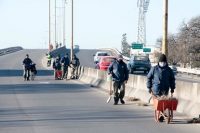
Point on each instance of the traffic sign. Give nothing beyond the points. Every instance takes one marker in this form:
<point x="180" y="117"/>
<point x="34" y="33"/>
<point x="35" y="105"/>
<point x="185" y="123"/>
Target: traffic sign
<point x="146" y="49"/>
<point x="137" y="46"/>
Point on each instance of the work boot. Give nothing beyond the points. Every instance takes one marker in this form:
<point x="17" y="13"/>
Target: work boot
<point x="122" y="101"/>
<point x="115" y="103"/>
<point x="161" y="119"/>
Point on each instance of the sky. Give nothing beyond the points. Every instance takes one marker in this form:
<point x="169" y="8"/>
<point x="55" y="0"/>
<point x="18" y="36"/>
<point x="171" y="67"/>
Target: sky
<point x="97" y="23"/>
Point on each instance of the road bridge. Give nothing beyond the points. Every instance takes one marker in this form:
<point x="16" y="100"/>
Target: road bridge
<point x="46" y="105"/>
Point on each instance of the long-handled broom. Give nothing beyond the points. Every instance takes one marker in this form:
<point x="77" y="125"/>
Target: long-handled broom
<point x="109" y="78"/>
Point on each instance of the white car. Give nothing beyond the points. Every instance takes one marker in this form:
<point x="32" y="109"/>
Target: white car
<point x="98" y="55"/>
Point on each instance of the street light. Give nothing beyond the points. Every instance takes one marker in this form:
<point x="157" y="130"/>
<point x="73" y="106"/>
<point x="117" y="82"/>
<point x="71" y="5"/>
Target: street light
<point x="165" y="29"/>
<point x="72" y="41"/>
<point x="49" y="25"/>
<point x="55" y="27"/>
<point x="64" y="2"/>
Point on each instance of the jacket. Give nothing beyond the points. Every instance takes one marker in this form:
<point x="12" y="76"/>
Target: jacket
<point x="75" y="62"/>
<point x="57" y="64"/>
<point x="159" y="80"/>
<point x="65" y="61"/>
<point x="27" y="63"/>
<point x="119" y="71"/>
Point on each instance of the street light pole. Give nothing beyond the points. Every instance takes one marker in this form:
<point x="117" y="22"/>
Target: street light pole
<point x="165" y="29"/>
<point x="49" y="25"/>
<point x="72" y="43"/>
<point x="55" y="26"/>
<point x="64" y="22"/>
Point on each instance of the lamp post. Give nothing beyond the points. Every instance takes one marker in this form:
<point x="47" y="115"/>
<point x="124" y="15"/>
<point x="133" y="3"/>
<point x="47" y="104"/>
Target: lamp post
<point x="64" y="1"/>
<point x="55" y="27"/>
<point x="49" y="25"/>
<point x="165" y="29"/>
<point x="72" y="41"/>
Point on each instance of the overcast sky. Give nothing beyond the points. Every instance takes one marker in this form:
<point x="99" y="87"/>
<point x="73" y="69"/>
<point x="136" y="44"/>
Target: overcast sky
<point x="97" y="23"/>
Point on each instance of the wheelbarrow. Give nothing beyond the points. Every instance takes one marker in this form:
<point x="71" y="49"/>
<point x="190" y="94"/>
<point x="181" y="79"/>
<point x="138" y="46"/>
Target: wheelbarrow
<point x="164" y="107"/>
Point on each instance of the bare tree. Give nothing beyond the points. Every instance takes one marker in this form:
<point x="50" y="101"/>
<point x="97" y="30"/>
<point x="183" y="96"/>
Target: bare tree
<point x="184" y="47"/>
<point x="125" y="47"/>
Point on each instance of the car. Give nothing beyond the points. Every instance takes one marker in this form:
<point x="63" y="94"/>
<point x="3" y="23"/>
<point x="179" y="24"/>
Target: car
<point x="174" y="69"/>
<point x="98" y="55"/>
<point x="139" y="63"/>
<point x="105" y="62"/>
<point x="76" y="47"/>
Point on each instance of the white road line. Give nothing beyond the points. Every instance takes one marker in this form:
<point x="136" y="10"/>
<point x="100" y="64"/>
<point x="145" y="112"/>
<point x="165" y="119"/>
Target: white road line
<point x="44" y="82"/>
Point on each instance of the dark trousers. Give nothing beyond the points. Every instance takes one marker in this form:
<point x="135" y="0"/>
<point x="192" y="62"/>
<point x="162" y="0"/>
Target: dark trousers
<point x="118" y="86"/>
<point x="26" y="73"/>
<point x="74" y="71"/>
<point x="64" y="72"/>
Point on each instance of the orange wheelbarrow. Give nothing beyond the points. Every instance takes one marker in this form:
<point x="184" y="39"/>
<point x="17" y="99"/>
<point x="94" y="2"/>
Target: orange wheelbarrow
<point x="164" y="108"/>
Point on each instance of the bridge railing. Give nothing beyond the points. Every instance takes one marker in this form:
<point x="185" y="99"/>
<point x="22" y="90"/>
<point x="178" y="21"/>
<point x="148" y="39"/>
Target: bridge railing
<point x="179" y="69"/>
<point x="9" y="50"/>
<point x="187" y="93"/>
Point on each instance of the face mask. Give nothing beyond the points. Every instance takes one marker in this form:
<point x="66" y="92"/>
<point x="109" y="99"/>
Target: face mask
<point x="162" y="64"/>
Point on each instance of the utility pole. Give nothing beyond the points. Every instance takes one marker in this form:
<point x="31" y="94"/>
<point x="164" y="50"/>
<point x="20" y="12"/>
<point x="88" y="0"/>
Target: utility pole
<point x="64" y="1"/>
<point x="165" y="29"/>
<point x="49" y="24"/>
<point x="72" y="43"/>
<point x="55" y="27"/>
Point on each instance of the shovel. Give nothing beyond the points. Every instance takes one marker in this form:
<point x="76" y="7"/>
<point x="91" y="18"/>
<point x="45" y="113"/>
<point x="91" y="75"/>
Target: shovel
<point x="109" y="78"/>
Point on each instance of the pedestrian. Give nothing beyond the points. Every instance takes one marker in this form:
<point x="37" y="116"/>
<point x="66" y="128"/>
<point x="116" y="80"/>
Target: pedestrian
<point x="33" y="71"/>
<point x="65" y="63"/>
<point x="27" y="67"/>
<point x="57" y="68"/>
<point x="120" y="74"/>
<point x="49" y="59"/>
<point x="160" y="78"/>
<point x="75" y="63"/>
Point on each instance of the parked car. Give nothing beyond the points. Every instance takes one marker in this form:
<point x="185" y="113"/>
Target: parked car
<point x="98" y="55"/>
<point x="174" y="69"/>
<point x="139" y="63"/>
<point x="105" y="62"/>
<point x="76" y="47"/>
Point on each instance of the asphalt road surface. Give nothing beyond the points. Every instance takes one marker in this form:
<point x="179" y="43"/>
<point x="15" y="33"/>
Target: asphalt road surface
<point x="46" y="105"/>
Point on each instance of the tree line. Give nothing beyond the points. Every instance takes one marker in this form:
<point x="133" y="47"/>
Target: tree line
<point x="184" y="46"/>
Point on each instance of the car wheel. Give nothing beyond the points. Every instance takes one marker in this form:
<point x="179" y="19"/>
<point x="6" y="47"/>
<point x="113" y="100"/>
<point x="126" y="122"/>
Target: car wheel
<point x="145" y="72"/>
<point x="131" y="71"/>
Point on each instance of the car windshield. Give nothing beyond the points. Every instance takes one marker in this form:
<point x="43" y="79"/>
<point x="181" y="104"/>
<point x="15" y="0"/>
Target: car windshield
<point x="141" y="58"/>
<point x="102" y="54"/>
<point x="108" y="59"/>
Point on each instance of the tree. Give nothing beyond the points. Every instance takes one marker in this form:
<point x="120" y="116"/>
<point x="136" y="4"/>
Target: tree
<point x="125" y="47"/>
<point x="190" y="37"/>
<point x="184" y="47"/>
<point x="172" y="48"/>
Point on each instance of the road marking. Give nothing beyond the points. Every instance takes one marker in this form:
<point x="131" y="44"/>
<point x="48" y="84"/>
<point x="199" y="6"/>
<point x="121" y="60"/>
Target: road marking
<point x="44" y="82"/>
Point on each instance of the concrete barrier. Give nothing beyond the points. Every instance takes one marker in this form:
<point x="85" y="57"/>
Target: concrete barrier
<point x="188" y="94"/>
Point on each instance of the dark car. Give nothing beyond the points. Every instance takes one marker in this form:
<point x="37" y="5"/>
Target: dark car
<point x="139" y="63"/>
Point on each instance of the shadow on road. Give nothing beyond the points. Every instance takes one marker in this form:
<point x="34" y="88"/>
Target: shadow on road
<point x="10" y="73"/>
<point x="41" y="88"/>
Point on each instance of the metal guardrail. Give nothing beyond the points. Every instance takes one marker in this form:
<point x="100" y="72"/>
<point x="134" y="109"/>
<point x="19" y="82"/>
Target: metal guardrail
<point x="189" y="71"/>
<point x="179" y="69"/>
<point x="117" y="52"/>
<point x="9" y="50"/>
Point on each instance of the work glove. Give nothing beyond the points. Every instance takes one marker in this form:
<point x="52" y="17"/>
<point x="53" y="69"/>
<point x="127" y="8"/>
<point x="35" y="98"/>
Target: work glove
<point x="125" y="81"/>
<point x="150" y="91"/>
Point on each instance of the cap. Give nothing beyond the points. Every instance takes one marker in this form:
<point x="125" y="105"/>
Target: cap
<point x="162" y="58"/>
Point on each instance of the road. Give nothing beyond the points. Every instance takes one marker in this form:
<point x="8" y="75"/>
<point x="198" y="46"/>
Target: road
<point x="52" y="106"/>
